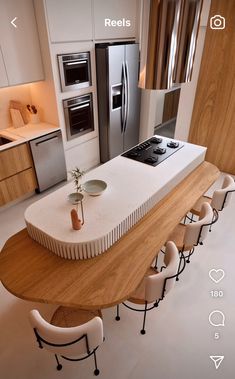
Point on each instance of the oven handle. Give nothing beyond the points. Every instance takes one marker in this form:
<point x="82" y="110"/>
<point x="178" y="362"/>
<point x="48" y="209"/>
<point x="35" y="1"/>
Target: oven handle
<point x="75" y="62"/>
<point x="79" y="107"/>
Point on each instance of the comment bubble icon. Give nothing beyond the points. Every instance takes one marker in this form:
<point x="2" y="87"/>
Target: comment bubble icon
<point x="217" y="318"/>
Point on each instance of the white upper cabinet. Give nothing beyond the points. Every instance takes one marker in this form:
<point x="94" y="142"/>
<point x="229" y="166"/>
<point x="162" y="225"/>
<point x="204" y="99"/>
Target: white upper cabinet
<point x="20" y="45"/>
<point x="115" y="18"/>
<point x="69" y="20"/>
<point x="3" y="74"/>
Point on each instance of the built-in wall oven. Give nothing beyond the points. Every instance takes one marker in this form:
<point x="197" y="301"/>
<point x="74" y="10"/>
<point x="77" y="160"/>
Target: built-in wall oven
<point x="78" y="113"/>
<point x="75" y="71"/>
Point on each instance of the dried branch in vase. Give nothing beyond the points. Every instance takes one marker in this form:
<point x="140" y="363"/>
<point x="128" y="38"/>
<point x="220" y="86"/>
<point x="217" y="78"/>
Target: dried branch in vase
<point x="77" y="175"/>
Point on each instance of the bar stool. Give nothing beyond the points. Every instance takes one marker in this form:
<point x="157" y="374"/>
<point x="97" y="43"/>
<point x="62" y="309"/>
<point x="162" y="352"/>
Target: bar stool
<point x="71" y="333"/>
<point x="220" y="198"/>
<point x="187" y="236"/>
<point x="155" y="285"/>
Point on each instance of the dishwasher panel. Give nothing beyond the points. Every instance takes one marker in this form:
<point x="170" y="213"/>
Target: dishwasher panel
<point x="49" y="160"/>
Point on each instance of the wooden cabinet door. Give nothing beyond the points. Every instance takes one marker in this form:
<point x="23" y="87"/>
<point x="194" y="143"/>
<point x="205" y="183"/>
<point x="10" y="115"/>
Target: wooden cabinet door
<point x="213" y="116"/>
<point x="115" y="10"/>
<point x="14" y="160"/>
<point x="17" y="186"/>
<point x="69" y="20"/>
<point x="20" y="45"/>
<point x="3" y="73"/>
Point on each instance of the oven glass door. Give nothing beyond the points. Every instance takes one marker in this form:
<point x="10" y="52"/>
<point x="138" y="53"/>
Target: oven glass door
<point x="76" y="72"/>
<point x="80" y="117"/>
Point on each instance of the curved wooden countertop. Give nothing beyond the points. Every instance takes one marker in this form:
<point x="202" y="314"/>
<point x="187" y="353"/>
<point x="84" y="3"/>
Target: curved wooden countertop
<point x="31" y="272"/>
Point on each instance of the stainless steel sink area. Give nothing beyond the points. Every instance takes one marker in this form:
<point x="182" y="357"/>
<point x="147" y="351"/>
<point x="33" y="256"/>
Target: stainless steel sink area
<point x="4" y="140"/>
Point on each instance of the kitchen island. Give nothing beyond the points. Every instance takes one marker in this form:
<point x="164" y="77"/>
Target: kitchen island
<point x="32" y="272"/>
<point x="133" y="188"/>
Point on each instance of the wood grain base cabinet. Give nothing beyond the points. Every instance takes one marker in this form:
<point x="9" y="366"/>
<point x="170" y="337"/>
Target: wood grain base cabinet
<point x="17" y="186"/>
<point x="14" y="160"/>
<point x="17" y="175"/>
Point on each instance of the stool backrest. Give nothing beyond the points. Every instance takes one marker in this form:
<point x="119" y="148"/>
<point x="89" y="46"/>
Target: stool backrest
<point x="197" y="231"/>
<point x="158" y="285"/>
<point x="87" y="336"/>
<point x="222" y="197"/>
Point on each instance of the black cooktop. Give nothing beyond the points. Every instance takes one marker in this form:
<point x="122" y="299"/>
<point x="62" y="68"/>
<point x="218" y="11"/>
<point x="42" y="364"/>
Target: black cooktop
<point x="153" y="151"/>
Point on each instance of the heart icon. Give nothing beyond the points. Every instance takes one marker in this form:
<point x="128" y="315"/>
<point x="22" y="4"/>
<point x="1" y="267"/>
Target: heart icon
<point x="216" y="275"/>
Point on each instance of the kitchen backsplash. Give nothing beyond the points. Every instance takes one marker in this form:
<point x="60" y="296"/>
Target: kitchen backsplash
<point x="20" y="93"/>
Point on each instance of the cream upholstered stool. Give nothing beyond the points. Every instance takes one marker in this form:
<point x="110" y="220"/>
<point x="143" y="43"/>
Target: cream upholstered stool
<point x="155" y="285"/>
<point x="187" y="236"/>
<point x="220" y="198"/>
<point x="74" y="334"/>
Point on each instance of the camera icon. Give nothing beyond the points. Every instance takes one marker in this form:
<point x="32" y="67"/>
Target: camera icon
<point x="217" y="22"/>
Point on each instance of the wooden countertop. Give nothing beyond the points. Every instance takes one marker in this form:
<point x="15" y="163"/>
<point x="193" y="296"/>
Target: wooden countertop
<point x="31" y="272"/>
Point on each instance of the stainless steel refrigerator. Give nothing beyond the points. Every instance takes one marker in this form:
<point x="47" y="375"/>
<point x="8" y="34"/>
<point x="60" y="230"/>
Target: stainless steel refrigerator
<point x="117" y="70"/>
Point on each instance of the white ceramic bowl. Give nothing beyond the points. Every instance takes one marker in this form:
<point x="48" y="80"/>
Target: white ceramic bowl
<point x="94" y="187"/>
<point x="75" y="197"/>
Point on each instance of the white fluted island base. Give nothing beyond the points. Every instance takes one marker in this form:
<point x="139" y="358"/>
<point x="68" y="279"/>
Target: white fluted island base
<point x="133" y="189"/>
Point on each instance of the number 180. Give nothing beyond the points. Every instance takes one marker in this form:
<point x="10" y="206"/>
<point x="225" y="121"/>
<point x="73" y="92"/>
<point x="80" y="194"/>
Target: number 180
<point x="216" y="293"/>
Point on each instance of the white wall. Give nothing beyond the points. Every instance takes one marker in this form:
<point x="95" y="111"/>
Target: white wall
<point x="19" y="93"/>
<point x="35" y="93"/>
<point x="147" y="113"/>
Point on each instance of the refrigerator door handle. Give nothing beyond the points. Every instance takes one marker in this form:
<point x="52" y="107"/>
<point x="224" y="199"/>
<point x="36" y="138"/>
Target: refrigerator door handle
<point x="123" y="98"/>
<point x="126" y="95"/>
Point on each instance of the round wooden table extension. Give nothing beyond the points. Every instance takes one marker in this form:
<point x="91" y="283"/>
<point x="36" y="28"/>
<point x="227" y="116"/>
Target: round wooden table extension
<point x="31" y="272"/>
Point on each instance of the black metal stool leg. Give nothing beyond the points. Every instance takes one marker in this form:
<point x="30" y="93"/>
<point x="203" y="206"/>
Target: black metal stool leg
<point x="155" y="265"/>
<point x="145" y="311"/>
<point x="188" y="258"/>
<point x="212" y="222"/>
<point x="177" y="277"/>
<point x="189" y="255"/>
<point x="117" y="316"/>
<point x="97" y="371"/>
<point x="59" y="365"/>
<point x="156" y="303"/>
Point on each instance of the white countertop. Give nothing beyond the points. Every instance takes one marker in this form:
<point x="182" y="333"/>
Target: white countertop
<point x="25" y="133"/>
<point x="133" y="189"/>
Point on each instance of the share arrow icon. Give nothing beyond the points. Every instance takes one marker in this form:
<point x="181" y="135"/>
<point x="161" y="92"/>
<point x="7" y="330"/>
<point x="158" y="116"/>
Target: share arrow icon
<point x="217" y="359"/>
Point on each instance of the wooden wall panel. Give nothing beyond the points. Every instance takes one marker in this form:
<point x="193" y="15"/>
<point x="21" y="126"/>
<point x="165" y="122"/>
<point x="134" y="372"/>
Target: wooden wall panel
<point x="213" y="119"/>
<point x="171" y="104"/>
